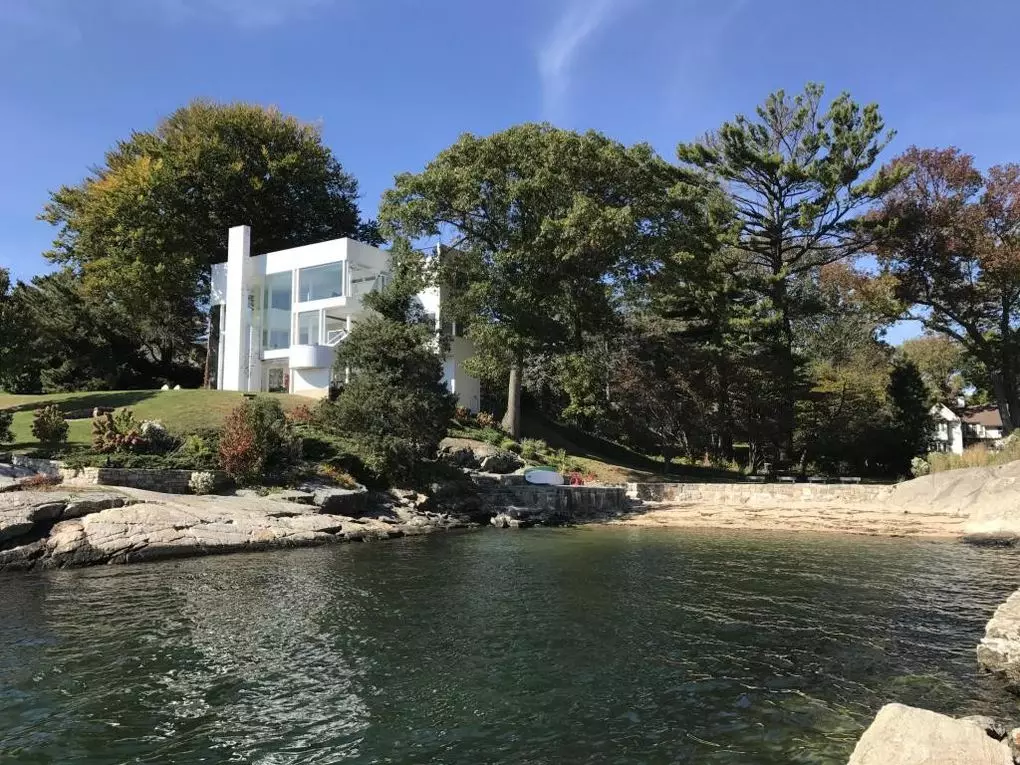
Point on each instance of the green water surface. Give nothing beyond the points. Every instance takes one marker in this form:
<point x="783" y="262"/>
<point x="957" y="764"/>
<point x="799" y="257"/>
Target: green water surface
<point x="592" y="645"/>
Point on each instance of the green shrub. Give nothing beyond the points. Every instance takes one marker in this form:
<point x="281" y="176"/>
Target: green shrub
<point x="919" y="466"/>
<point x="258" y="444"/>
<point x="199" y="451"/>
<point x="509" y="445"/>
<point x="533" y="449"/>
<point x="6" y="418"/>
<point x="49" y="425"/>
<point x="493" y="437"/>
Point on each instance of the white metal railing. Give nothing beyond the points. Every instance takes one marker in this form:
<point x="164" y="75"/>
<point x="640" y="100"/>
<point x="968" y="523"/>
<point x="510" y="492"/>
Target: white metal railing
<point x="335" y="336"/>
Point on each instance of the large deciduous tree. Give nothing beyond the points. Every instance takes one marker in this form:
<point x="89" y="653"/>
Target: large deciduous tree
<point x="798" y="177"/>
<point x="547" y="223"/>
<point x="143" y="228"/>
<point x="953" y="248"/>
<point x="940" y="361"/>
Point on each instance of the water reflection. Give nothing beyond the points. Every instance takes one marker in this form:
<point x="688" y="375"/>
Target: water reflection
<point x="587" y="645"/>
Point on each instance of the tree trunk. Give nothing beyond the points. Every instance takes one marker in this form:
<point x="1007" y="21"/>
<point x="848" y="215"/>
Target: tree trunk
<point x="512" y="419"/>
<point x="208" y="348"/>
<point x="787" y="373"/>
<point x="1007" y="400"/>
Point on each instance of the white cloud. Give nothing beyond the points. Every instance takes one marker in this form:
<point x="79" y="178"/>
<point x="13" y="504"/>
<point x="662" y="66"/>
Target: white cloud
<point x="579" y="23"/>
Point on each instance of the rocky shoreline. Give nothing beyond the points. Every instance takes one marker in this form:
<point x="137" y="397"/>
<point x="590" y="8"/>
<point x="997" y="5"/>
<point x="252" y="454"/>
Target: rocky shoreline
<point x="59" y="529"/>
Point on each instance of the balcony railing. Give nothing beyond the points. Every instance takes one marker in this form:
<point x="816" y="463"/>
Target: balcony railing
<point x="335" y="336"/>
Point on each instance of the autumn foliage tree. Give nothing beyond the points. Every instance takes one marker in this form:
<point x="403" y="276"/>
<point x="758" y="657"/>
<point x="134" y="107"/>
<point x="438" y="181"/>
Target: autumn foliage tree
<point x="952" y="248"/>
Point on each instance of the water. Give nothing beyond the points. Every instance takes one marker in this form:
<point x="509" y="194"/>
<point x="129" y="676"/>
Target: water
<point x="590" y="645"/>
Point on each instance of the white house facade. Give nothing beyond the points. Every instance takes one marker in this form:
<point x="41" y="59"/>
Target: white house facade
<point x="281" y="315"/>
<point x="948" y="432"/>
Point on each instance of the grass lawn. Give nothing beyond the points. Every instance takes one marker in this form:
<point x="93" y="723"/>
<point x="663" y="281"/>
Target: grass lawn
<point x="179" y="410"/>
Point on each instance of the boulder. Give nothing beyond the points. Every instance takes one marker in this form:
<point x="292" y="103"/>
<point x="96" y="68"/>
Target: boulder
<point x="992" y="727"/>
<point x="902" y="735"/>
<point x="464" y="452"/>
<point x="336" y="501"/>
<point x="999" y="649"/>
<point x="92" y="503"/>
<point x="502" y="462"/>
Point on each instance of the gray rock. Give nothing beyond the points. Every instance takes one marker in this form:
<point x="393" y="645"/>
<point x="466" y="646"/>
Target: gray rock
<point x="352" y="502"/>
<point x="902" y="735"/>
<point x="1013" y="742"/>
<point x="502" y="462"/>
<point x="295" y="496"/>
<point x="92" y="503"/>
<point x="465" y="452"/>
<point x="992" y="727"/>
<point x="165" y="525"/>
<point x="999" y="649"/>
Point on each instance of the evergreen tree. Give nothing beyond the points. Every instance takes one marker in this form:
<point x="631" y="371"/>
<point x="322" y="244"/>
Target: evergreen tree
<point x="396" y="408"/>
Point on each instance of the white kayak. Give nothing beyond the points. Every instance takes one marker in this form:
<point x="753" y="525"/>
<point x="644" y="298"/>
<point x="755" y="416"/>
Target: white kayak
<point x="546" y="476"/>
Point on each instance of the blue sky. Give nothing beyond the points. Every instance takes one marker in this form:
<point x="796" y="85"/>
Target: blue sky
<point x="394" y="81"/>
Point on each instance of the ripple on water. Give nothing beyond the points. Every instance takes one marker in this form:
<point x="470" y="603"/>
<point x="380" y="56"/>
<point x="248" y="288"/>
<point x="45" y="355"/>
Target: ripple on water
<point x="589" y="645"/>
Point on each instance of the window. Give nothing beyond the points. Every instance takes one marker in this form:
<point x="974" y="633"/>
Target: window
<point x="276" y="380"/>
<point x="276" y="307"/>
<point x="308" y="328"/>
<point x="321" y="282"/>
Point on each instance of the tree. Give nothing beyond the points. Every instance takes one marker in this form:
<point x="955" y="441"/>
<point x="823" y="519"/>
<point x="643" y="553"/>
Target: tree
<point x="144" y="227"/>
<point x="841" y="418"/>
<point x="545" y="222"/>
<point x="911" y="422"/>
<point x="10" y="331"/>
<point x="70" y="340"/>
<point x="952" y="249"/>
<point x="797" y="178"/>
<point x="396" y="408"/>
<point x="939" y="360"/>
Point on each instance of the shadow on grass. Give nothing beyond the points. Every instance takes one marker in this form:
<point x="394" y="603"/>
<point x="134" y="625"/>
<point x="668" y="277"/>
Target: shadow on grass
<point x="69" y="402"/>
<point x="581" y="444"/>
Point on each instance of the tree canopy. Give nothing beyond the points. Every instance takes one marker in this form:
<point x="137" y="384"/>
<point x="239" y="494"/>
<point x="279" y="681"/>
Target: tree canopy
<point x="142" y="229"/>
<point x="797" y="176"/>
<point x="546" y="222"/>
<point x="952" y="249"/>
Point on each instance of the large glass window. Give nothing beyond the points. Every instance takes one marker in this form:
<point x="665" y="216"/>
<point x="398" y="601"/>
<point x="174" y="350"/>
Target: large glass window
<point x="320" y="282"/>
<point x="276" y="311"/>
<point x="308" y="328"/>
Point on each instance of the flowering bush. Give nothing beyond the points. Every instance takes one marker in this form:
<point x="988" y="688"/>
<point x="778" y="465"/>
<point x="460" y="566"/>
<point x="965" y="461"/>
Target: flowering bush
<point x="49" y="425"/>
<point x="485" y="420"/>
<point x="258" y="444"/>
<point x="462" y="415"/>
<point x="300" y="414"/>
<point x="202" y="482"/>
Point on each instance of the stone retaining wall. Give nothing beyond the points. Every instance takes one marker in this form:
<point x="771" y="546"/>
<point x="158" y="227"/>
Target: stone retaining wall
<point x="554" y="504"/>
<point x="50" y="468"/>
<point x="168" y="481"/>
<point x="756" y="494"/>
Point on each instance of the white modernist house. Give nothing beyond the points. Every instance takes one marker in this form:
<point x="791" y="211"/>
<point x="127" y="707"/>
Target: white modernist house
<point x="281" y="315"/>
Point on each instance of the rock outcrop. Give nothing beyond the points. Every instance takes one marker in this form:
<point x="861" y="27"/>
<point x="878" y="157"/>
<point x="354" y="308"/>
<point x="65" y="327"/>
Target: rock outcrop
<point x="902" y="735"/>
<point x="999" y="649"/>
<point x="478" y="455"/>
<point x="54" y="530"/>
